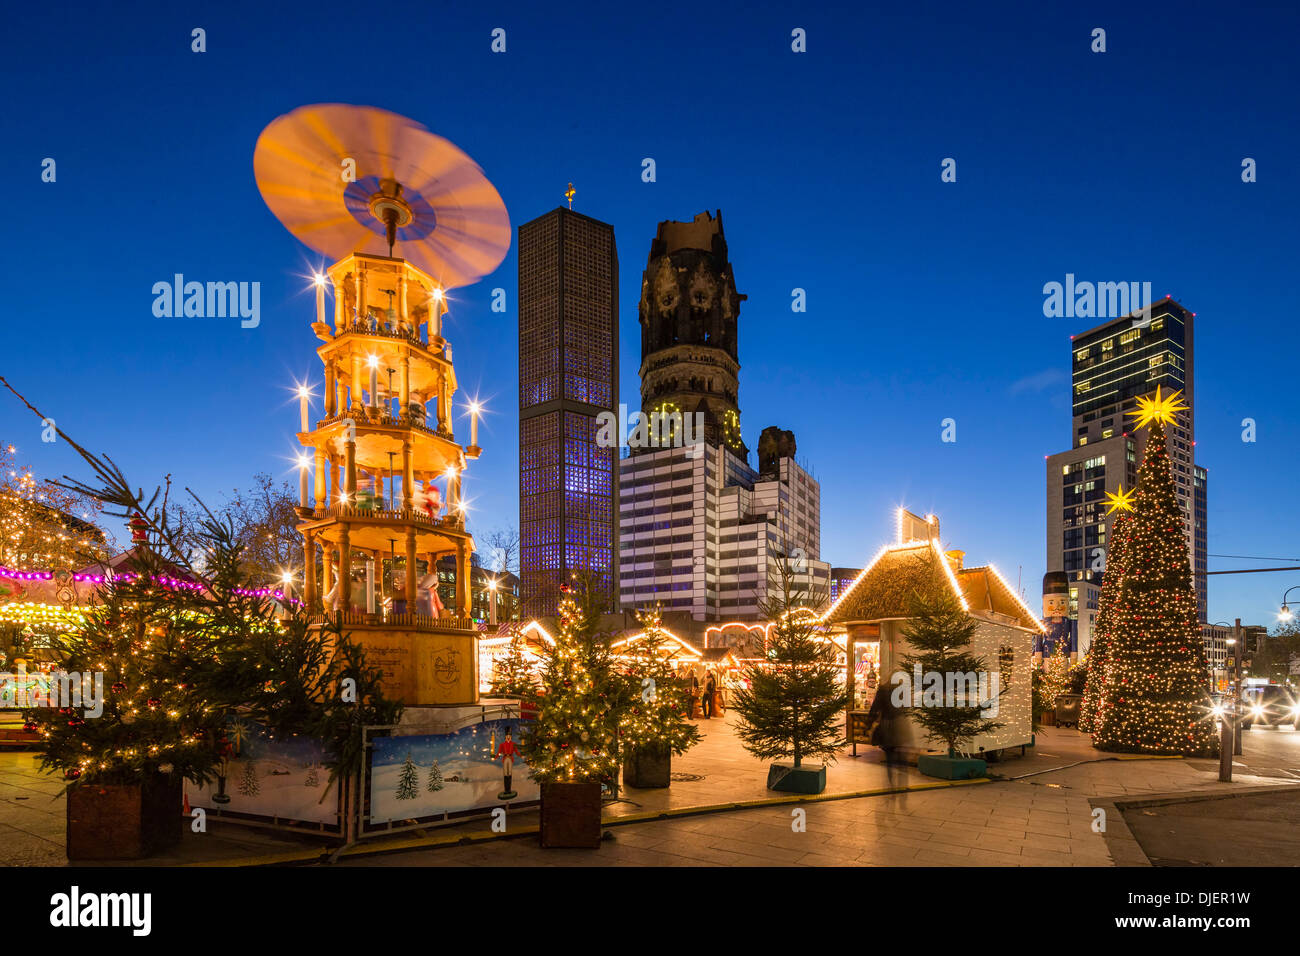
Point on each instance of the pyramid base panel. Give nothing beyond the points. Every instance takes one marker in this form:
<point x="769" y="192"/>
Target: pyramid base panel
<point x="421" y="668"/>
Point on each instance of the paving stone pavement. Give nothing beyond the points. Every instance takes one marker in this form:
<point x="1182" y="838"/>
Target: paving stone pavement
<point x="1042" y="813"/>
<point x="1039" y="812"/>
<point x="1010" y="823"/>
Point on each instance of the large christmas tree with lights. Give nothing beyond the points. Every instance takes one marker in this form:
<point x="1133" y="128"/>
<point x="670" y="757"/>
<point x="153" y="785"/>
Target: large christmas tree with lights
<point x="653" y="716"/>
<point x="575" y="736"/>
<point x="1155" y="695"/>
<point x="1099" y="649"/>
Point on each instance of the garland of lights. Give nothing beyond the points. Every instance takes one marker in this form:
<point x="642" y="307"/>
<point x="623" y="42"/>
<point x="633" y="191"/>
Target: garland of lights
<point x="165" y="580"/>
<point x="47" y="617"/>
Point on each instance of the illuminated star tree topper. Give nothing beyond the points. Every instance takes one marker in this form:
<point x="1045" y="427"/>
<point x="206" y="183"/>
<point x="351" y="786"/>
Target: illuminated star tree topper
<point x="1157" y="408"/>
<point x="1120" y="501"/>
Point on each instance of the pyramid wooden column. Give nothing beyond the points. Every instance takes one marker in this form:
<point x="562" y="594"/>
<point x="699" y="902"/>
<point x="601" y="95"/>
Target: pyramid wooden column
<point x="425" y="659"/>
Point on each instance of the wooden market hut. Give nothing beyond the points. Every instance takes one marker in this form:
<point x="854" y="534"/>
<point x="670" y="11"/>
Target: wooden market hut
<point x="876" y="608"/>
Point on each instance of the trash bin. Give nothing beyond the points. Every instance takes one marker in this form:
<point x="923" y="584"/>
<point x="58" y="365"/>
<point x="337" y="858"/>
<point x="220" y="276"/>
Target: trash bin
<point x="1067" y="709"/>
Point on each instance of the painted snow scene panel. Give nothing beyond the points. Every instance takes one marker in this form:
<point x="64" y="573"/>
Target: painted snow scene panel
<point x="283" y="779"/>
<point x="434" y="774"/>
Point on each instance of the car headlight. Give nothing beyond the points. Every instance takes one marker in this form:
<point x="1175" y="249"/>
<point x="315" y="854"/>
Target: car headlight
<point x="1257" y="711"/>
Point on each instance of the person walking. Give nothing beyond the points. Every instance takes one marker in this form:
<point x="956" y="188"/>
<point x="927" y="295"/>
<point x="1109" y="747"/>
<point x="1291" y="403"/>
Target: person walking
<point x="692" y="692"/>
<point x="887" y="732"/>
<point x="710" y="692"/>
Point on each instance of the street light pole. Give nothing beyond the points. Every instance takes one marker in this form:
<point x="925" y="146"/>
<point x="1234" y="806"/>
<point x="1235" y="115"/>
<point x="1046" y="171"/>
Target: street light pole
<point x="1229" y="717"/>
<point x="1285" y="614"/>
<point x="1236" y="743"/>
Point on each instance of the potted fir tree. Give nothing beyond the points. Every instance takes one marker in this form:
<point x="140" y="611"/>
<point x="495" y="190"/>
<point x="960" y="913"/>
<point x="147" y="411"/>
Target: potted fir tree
<point x="148" y="649"/>
<point x="177" y="651"/>
<point x="939" y="630"/>
<point x="571" y="748"/>
<point x="652" y="725"/>
<point x="793" y="707"/>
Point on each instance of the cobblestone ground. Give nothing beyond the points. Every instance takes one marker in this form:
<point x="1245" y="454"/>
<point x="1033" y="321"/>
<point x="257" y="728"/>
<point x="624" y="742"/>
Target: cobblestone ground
<point x="1040" y="811"/>
<point x="1043" y="820"/>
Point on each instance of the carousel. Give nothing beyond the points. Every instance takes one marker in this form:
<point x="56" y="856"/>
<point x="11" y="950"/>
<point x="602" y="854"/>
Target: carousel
<point x="404" y="216"/>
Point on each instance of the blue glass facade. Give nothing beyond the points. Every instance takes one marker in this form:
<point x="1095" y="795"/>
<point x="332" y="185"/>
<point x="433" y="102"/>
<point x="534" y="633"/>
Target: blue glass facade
<point x="568" y="375"/>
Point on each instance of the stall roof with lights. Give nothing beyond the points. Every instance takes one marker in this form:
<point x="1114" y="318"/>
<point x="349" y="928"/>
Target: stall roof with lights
<point x="917" y="565"/>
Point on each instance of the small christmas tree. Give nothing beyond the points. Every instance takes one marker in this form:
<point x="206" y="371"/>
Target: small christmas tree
<point x="1099" y="649"/>
<point x="1056" y="675"/>
<point x="409" y="781"/>
<point x="940" y="631"/>
<point x="653" y="720"/>
<point x="158" y="649"/>
<point x="248" y="784"/>
<point x="796" y="698"/>
<point x="1155" y="697"/>
<point x="435" y="778"/>
<point x="575" y="736"/>
<point x="513" y="674"/>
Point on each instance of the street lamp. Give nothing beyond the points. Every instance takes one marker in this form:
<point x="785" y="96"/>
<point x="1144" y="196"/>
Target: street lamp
<point x="286" y="589"/>
<point x="1286" y="614"/>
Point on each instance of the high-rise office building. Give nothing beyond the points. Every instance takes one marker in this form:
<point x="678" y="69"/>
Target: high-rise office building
<point x="700" y="531"/>
<point x="1114" y="365"/>
<point x="705" y="534"/>
<point x="568" y="375"/>
<point x="841" y="580"/>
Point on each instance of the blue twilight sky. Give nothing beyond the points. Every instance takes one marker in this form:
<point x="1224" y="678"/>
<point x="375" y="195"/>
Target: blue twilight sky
<point x="924" y="298"/>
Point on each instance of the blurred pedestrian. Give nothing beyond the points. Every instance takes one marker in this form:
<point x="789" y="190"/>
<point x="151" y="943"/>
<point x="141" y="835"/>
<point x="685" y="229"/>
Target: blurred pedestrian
<point x="886" y="720"/>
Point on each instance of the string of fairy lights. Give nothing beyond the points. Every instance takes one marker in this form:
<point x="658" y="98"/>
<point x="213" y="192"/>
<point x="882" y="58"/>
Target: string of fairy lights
<point x="34" y="530"/>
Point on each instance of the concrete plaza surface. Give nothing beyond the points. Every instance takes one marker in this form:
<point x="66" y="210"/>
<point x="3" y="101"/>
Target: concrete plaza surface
<point x="1036" y="810"/>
